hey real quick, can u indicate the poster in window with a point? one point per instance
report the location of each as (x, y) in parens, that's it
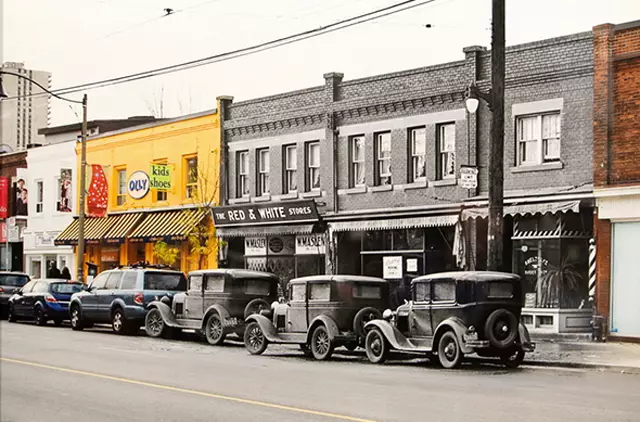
(65, 190)
(392, 267)
(21, 193)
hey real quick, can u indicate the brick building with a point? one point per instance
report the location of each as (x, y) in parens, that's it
(376, 163)
(616, 130)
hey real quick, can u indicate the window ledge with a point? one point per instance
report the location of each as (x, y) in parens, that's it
(381, 188)
(263, 198)
(243, 200)
(416, 185)
(555, 165)
(352, 191)
(312, 194)
(443, 182)
(290, 195)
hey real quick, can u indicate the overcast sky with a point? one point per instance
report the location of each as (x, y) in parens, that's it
(85, 40)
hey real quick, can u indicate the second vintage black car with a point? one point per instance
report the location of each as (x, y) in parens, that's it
(453, 314)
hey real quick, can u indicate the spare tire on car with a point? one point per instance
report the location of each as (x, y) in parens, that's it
(363, 316)
(255, 306)
(501, 328)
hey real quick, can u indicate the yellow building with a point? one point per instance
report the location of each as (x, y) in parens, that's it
(149, 189)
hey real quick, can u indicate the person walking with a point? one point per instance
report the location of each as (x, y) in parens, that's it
(66, 274)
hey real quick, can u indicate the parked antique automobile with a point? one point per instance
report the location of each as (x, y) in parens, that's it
(216, 304)
(323, 312)
(453, 314)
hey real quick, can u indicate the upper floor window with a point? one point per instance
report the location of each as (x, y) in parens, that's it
(161, 194)
(64, 194)
(263, 171)
(313, 166)
(39, 196)
(418, 150)
(383, 159)
(446, 165)
(538, 139)
(242, 173)
(357, 161)
(290, 169)
(191, 179)
(121, 196)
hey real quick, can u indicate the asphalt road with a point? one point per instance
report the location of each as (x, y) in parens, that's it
(55, 374)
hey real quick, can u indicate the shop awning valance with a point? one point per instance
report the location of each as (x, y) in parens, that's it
(526, 209)
(167, 225)
(94, 230)
(398, 223)
(252, 231)
(69, 235)
(123, 225)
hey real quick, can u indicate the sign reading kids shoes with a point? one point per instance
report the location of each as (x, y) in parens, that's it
(160, 176)
(138, 184)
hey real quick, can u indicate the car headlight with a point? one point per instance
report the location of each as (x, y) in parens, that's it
(387, 314)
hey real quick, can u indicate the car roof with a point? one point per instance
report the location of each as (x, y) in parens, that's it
(236, 273)
(474, 276)
(146, 269)
(13, 273)
(339, 278)
(54, 280)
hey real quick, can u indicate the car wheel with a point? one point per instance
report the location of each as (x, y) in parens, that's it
(11, 316)
(57, 322)
(321, 343)
(214, 331)
(39, 316)
(119, 322)
(363, 316)
(255, 306)
(351, 346)
(254, 339)
(513, 360)
(376, 346)
(76, 318)
(501, 328)
(449, 353)
(154, 324)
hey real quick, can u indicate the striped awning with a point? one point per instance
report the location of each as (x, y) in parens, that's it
(95, 229)
(398, 223)
(124, 224)
(69, 236)
(526, 209)
(167, 225)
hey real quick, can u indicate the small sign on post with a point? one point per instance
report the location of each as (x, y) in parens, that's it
(468, 177)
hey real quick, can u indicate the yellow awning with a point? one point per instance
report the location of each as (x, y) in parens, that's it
(167, 225)
(69, 236)
(94, 230)
(123, 225)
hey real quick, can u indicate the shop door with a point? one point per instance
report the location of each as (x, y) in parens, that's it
(625, 312)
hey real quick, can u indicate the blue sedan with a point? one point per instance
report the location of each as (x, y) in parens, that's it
(43, 300)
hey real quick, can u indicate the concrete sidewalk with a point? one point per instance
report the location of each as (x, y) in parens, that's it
(610, 355)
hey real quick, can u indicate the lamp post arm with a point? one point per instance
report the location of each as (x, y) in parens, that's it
(2, 72)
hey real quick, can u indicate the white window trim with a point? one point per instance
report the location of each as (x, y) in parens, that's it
(290, 170)
(380, 160)
(442, 154)
(242, 179)
(263, 174)
(414, 156)
(355, 163)
(309, 169)
(39, 201)
(539, 141)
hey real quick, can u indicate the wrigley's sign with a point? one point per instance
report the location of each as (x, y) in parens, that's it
(294, 211)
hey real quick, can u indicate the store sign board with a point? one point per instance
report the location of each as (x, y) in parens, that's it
(4, 197)
(284, 212)
(110, 255)
(255, 246)
(392, 267)
(138, 184)
(412, 265)
(468, 177)
(160, 176)
(310, 244)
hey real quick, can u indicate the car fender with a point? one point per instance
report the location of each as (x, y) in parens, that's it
(165, 312)
(396, 339)
(328, 322)
(458, 328)
(117, 303)
(266, 326)
(523, 334)
(220, 310)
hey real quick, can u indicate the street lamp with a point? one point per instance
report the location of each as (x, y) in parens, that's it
(83, 162)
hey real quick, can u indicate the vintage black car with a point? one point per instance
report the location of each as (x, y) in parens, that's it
(453, 314)
(215, 304)
(322, 313)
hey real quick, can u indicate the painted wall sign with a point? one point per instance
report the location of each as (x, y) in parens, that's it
(98, 194)
(294, 211)
(310, 244)
(392, 267)
(255, 246)
(468, 177)
(4, 197)
(138, 184)
(160, 176)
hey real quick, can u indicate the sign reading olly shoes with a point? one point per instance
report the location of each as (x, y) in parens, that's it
(138, 184)
(283, 212)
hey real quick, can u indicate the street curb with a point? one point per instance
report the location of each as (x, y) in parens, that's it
(583, 365)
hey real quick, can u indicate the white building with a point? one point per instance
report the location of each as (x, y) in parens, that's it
(52, 179)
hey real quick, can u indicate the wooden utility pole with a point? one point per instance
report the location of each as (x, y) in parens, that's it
(83, 190)
(496, 150)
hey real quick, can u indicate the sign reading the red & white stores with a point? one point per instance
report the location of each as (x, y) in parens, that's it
(283, 212)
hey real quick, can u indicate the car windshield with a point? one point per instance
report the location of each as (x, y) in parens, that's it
(13, 280)
(66, 288)
(165, 281)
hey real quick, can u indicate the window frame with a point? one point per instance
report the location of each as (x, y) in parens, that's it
(309, 170)
(415, 157)
(123, 286)
(290, 173)
(441, 155)
(379, 160)
(357, 163)
(39, 196)
(190, 187)
(242, 179)
(262, 180)
(443, 281)
(161, 192)
(115, 275)
(324, 284)
(540, 142)
(120, 197)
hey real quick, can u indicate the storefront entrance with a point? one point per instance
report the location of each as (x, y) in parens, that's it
(625, 285)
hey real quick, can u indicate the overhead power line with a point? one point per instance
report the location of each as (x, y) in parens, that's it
(268, 45)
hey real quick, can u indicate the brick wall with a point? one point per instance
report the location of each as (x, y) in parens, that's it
(602, 232)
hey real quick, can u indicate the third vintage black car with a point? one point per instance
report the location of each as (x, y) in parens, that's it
(453, 314)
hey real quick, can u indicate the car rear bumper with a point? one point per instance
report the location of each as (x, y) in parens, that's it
(135, 313)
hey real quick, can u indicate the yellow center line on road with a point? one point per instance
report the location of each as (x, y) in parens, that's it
(188, 391)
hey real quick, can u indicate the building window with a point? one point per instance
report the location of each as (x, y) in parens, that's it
(290, 169)
(161, 194)
(191, 185)
(263, 171)
(39, 196)
(242, 172)
(538, 139)
(446, 165)
(383, 159)
(418, 150)
(356, 171)
(121, 197)
(313, 166)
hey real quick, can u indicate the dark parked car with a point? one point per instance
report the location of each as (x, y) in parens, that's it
(43, 300)
(216, 304)
(453, 314)
(324, 312)
(10, 282)
(121, 297)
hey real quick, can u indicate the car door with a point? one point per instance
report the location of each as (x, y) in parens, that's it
(107, 295)
(420, 312)
(443, 300)
(195, 305)
(30, 298)
(18, 302)
(297, 318)
(89, 300)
